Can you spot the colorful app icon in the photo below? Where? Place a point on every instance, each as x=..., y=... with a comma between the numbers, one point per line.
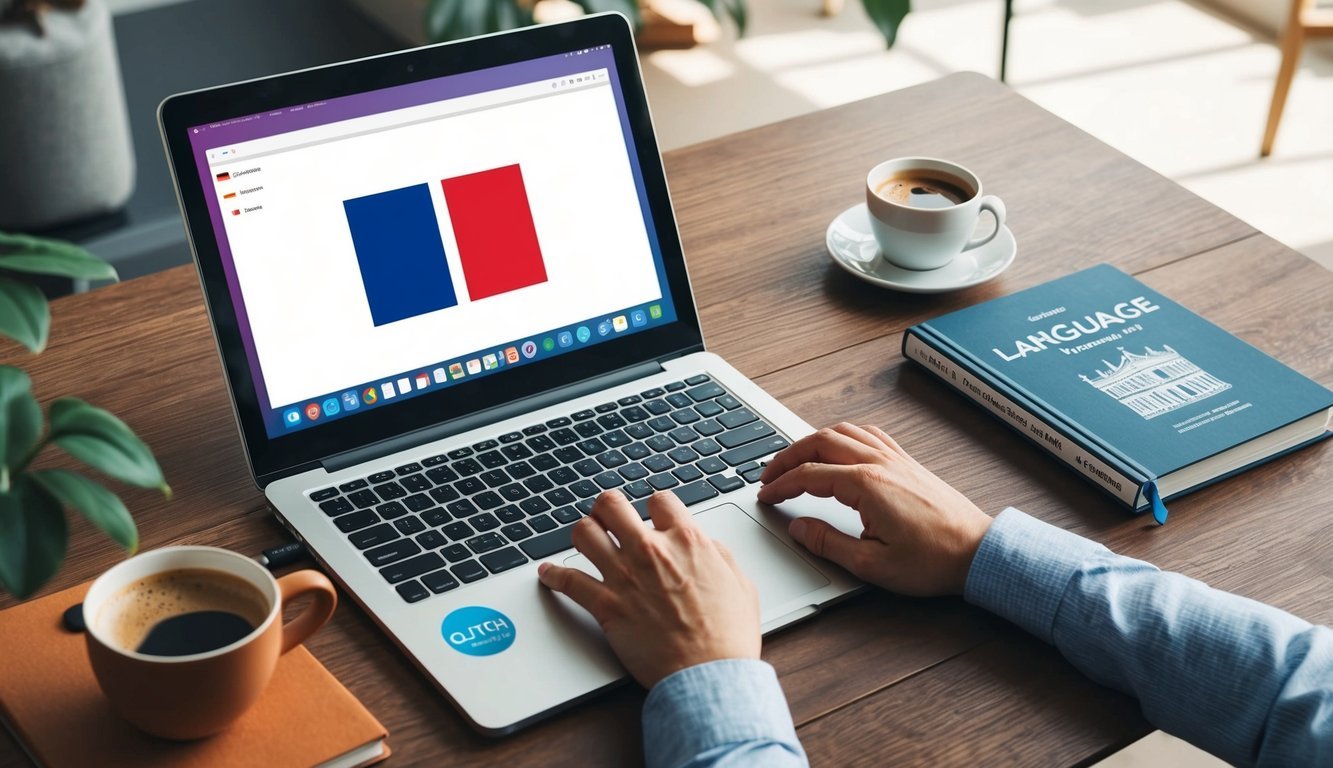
x=638, y=318
x=474, y=366
x=603, y=327
x=565, y=339
x=423, y=380
x=490, y=362
x=529, y=349
x=456, y=371
x=583, y=334
x=404, y=385
x=312, y=411
x=387, y=390
x=350, y=401
x=331, y=407
x=655, y=311
x=439, y=375
x=368, y=396
x=619, y=323
x=548, y=343
x=511, y=355
x=291, y=417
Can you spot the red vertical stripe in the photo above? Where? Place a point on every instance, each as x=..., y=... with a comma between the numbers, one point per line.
x=497, y=241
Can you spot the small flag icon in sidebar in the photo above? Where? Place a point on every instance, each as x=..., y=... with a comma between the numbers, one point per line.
x=224, y=176
x=235, y=211
x=229, y=196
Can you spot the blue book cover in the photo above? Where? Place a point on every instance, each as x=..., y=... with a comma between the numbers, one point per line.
x=1128, y=387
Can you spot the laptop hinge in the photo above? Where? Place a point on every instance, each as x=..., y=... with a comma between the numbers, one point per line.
x=490, y=416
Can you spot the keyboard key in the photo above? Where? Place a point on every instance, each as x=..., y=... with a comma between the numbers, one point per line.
x=516, y=452
x=684, y=435
x=685, y=416
x=352, y=485
x=355, y=521
x=683, y=455
x=565, y=437
x=663, y=481
x=484, y=445
x=380, y=477
x=467, y=467
x=562, y=476
x=441, y=475
x=432, y=540
x=679, y=400
x=469, y=571
x=616, y=438
x=728, y=402
x=753, y=475
x=585, y=489
x=516, y=531
x=434, y=461
x=391, y=510
x=457, y=531
x=608, y=459
x=560, y=496
x=435, y=517
x=456, y=553
x=510, y=513
x=415, y=483
x=708, y=427
x=514, y=492
x=538, y=484
x=562, y=421
x=658, y=463
x=637, y=489
x=503, y=560
x=675, y=386
x=711, y=465
x=392, y=552
x=470, y=485
x=660, y=443
x=409, y=525
x=444, y=494
x=726, y=483
x=412, y=591
x=609, y=480
x=568, y=454
x=547, y=544
x=639, y=431
x=657, y=407
x=460, y=453
x=705, y=392
x=709, y=409
x=585, y=505
x=323, y=493
x=411, y=568
x=541, y=444
x=542, y=523
x=634, y=414
x=492, y=459
x=418, y=501
x=588, y=429
x=520, y=470
x=389, y=491
x=510, y=437
x=745, y=434
x=633, y=472
x=485, y=522
x=611, y=421
x=699, y=379
x=651, y=393
x=662, y=424
x=636, y=451
x=494, y=478
x=755, y=450
x=369, y=537
x=591, y=447
x=535, y=506
x=687, y=473
x=706, y=447
x=544, y=462
x=564, y=516
x=587, y=467
x=582, y=415
x=439, y=581
x=364, y=498
x=605, y=408
x=487, y=500
x=746, y=467
x=695, y=492
x=736, y=418
x=335, y=506
x=629, y=400
x=485, y=542
x=535, y=429
x=407, y=469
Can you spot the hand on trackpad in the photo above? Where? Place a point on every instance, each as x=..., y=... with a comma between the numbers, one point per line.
x=778, y=573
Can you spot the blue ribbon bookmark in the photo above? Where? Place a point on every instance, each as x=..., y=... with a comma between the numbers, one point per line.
x=1158, y=508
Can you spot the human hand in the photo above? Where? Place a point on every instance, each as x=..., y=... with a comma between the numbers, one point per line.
x=920, y=533
x=669, y=598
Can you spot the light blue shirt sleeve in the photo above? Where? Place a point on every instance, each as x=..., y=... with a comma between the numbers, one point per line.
x=1245, y=681
x=724, y=713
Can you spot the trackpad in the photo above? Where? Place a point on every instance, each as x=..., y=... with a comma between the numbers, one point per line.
x=779, y=573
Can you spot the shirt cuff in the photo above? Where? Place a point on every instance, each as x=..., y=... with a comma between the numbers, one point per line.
x=1022, y=568
x=703, y=707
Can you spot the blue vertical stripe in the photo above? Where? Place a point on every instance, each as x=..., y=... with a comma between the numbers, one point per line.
x=398, y=247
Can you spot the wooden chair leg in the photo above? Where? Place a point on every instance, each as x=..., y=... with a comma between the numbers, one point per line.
x=1292, y=41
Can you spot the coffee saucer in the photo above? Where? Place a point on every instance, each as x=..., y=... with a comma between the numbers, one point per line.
x=853, y=247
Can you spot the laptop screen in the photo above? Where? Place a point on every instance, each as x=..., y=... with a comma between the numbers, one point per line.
x=381, y=246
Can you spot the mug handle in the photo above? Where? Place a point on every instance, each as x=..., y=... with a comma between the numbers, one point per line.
x=996, y=207
x=298, y=584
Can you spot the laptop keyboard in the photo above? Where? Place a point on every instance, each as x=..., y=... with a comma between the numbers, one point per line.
x=457, y=517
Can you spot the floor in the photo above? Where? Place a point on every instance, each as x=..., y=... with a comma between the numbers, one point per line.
x=1171, y=83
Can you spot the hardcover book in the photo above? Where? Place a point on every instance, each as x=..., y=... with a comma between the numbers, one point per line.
x=1140, y=396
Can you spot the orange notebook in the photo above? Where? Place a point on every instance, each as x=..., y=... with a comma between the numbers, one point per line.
x=50, y=700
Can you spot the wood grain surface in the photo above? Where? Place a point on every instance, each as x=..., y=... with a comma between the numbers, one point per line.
x=877, y=679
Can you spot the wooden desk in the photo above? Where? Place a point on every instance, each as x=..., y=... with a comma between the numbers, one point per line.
x=879, y=679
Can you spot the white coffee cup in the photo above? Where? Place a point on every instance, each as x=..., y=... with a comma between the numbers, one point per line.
x=924, y=238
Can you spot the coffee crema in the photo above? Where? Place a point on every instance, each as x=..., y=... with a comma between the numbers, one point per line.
x=918, y=188
x=182, y=612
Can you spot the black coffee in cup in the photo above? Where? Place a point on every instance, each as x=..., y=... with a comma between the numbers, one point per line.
x=924, y=189
x=183, y=612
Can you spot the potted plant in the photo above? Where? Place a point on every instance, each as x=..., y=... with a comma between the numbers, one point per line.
x=33, y=530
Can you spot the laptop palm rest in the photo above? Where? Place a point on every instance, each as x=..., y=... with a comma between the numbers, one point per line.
x=778, y=573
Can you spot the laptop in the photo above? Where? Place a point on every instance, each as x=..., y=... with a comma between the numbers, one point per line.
x=452, y=308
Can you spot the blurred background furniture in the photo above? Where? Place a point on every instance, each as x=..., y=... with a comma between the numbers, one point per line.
x=1305, y=21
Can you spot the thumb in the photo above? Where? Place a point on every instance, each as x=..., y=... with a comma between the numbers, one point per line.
x=830, y=543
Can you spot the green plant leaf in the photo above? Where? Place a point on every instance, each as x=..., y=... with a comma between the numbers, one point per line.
x=24, y=314
x=454, y=19
x=736, y=9
x=33, y=537
x=103, y=508
x=887, y=15
x=20, y=421
x=102, y=441
x=40, y=256
x=630, y=8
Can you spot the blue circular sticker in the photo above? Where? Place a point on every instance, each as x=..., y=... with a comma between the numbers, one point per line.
x=477, y=631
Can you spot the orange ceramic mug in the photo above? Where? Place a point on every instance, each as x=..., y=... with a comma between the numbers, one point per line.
x=197, y=694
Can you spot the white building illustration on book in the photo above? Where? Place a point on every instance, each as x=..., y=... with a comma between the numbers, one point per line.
x=1155, y=382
